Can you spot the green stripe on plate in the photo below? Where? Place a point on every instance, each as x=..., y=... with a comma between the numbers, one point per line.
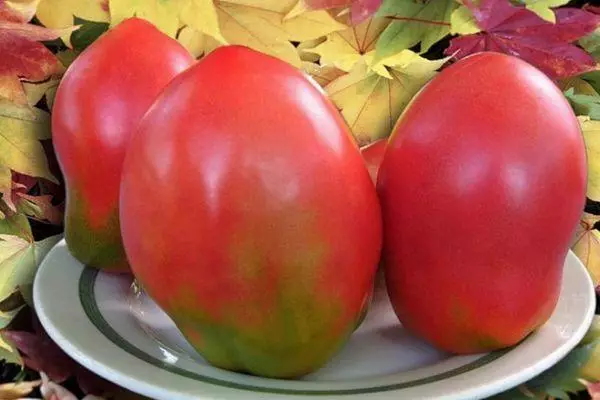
x=88, y=301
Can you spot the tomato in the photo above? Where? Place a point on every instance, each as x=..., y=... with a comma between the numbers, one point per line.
x=373, y=155
x=99, y=102
x=481, y=187
x=263, y=233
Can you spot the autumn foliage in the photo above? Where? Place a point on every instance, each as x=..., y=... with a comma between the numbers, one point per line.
x=370, y=57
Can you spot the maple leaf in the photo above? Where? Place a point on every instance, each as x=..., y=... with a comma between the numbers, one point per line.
x=414, y=21
x=370, y=102
x=343, y=49
x=543, y=8
x=591, y=135
x=323, y=75
x=57, y=14
x=21, y=130
x=360, y=10
x=23, y=57
x=17, y=390
x=586, y=245
x=520, y=32
x=263, y=25
x=41, y=354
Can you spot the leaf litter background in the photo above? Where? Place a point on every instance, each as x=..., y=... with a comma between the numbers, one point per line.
x=370, y=56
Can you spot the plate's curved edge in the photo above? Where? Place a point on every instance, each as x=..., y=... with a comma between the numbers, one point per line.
x=87, y=298
x=147, y=389
x=555, y=357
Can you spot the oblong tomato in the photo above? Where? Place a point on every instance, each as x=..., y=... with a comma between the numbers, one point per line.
x=481, y=186
x=262, y=233
x=99, y=102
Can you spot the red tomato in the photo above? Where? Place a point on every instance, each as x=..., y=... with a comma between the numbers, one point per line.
x=481, y=189
x=373, y=155
x=98, y=104
x=262, y=233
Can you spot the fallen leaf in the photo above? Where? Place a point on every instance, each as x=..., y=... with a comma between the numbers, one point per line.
x=261, y=25
x=23, y=57
x=21, y=130
x=57, y=14
x=322, y=75
x=371, y=103
x=360, y=10
x=17, y=390
x=591, y=135
x=343, y=49
x=41, y=354
x=414, y=21
x=209, y=21
x=18, y=10
x=586, y=245
x=462, y=22
x=192, y=40
x=8, y=352
x=18, y=225
x=61, y=13
x=163, y=14
x=584, y=104
x=39, y=90
x=543, y=8
x=520, y=32
x=87, y=33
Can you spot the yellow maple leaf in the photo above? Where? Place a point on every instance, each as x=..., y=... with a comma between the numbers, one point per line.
x=372, y=103
x=262, y=26
x=586, y=245
x=17, y=390
x=21, y=129
x=193, y=41
x=259, y=24
x=591, y=135
x=164, y=14
x=343, y=49
x=323, y=75
x=59, y=13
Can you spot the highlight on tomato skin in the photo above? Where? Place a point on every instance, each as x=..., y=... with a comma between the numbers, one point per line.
x=263, y=235
x=493, y=163
x=99, y=102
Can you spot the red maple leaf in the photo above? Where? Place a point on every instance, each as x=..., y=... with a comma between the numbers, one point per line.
x=519, y=32
x=360, y=10
x=23, y=57
x=41, y=354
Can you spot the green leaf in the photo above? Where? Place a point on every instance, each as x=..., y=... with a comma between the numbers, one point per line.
x=40, y=250
x=19, y=261
x=566, y=376
x=8, y=351
x=16, y=224
x=591, y=44
x=584, y=104
x=543, y=8
x=414, y=22
x=87, y=33
x=462, y=22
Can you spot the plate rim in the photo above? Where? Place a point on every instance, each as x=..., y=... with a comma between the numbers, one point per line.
x=85, y=356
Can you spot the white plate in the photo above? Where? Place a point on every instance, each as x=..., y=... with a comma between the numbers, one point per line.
x=98, y=320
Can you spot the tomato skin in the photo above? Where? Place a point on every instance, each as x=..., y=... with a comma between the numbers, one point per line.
x=373, y=156
x=481, y=187
x=99, y=102
x=264, y=230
